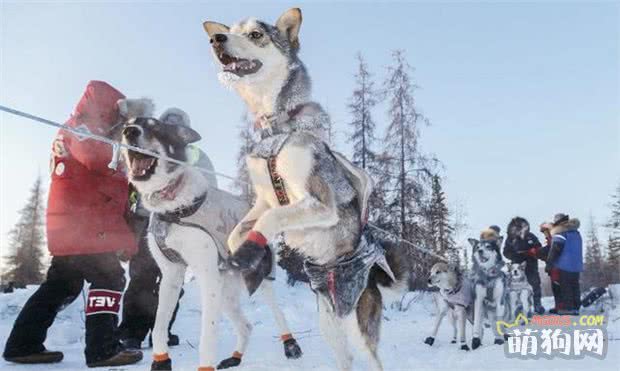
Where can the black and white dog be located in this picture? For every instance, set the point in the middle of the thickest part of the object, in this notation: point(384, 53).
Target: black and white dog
point(189, 225)
point(313, 195)
point(489, 287)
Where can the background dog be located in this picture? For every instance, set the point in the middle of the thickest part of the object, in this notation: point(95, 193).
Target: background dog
point(520, 294)
point(489, 287)
point(455, 297)
point(189, 226)
point(321, 198)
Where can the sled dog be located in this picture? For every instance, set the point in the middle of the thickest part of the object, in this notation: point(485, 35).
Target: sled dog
point(311, 194)
point(455, 297)
point(190, 221)
point(489, 287)
point(520, 295)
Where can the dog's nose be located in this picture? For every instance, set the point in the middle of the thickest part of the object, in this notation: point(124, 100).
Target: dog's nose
point(131, 132)
point(219, 38)
point(429, 281)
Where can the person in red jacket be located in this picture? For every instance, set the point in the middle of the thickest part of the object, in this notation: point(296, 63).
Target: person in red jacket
point(86, 233)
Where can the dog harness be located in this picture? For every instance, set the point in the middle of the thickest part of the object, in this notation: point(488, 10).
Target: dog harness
point(159, 224)
point(342, 281)
point(461, 295)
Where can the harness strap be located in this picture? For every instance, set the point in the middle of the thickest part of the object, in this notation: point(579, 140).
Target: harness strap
point(277, 182)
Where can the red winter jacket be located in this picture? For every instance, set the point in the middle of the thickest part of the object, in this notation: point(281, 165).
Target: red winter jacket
point(87, 200)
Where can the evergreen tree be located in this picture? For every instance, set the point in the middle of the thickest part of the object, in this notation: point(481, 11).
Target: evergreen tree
point(613, 244)
point(362, 101)
point(439, 230)
point(26, 242)
point(407, 172)
point(246, 137)
point(592, 276)
point(406, 167)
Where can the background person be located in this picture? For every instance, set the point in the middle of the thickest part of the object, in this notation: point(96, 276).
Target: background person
point(523, 246)
point(566, 256)
point(86, 231)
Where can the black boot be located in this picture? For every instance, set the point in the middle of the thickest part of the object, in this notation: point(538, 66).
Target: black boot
point(292, 350)
point(45, 356)
point(123, 357)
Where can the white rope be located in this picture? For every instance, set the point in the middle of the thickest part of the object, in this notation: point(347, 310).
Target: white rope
point(117, 145)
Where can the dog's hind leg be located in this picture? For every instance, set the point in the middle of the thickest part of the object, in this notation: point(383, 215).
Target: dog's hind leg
point(169, 290)
point(292, 350)
point(364, 326)
point(333, 332)
point(231, 291)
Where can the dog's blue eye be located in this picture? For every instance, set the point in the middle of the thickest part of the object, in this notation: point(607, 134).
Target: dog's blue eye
point(255, 35)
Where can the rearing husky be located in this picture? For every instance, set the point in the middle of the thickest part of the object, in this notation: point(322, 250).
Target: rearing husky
point(313, 195)
point(189, 224)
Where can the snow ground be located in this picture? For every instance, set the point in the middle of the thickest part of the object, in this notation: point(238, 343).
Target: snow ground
point(401, 349)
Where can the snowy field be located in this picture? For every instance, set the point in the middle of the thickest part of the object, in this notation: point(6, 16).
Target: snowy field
point(402, 346)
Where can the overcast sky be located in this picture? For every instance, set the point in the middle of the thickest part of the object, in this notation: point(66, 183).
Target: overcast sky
point(523, 98)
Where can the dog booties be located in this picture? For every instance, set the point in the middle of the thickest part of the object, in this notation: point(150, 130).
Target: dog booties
point(343, 281)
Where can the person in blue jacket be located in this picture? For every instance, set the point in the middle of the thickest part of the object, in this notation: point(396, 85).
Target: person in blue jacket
point(566, 257)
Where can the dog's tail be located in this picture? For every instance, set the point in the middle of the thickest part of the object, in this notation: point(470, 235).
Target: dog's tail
point(400, 264)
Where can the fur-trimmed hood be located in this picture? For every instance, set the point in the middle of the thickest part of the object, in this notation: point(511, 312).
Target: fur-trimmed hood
point(570, 225)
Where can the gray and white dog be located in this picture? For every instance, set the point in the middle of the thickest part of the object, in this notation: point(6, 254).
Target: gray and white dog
point(189, 225)
point(455, 297)
point(489, 287)
point(311, 194)
point(519, 292)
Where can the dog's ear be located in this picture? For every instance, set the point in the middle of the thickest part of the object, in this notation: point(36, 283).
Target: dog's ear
point(288, 24)
point(214, 28)
point(473, 242)
point(132, 108)
point(522, 265)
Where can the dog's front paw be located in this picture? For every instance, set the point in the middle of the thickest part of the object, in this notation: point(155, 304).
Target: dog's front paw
point(464, 347)
point(429, 340)
point(229, 362)
point(165, 365)
point(292, 350)
point(475, 343)
point(250, 253)
point(506, 336)
point(453, 341)
point(499, 341)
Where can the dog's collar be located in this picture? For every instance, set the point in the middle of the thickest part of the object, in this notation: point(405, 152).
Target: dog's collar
point(176, 215)
point(278, 123)
point(455, 290)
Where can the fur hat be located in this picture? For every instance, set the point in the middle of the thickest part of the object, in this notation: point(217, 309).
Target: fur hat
point(560, 218)
point(489, 234)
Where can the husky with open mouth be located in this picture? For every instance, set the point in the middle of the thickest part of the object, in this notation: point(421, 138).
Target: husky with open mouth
point(489, 287)
point(311, 194)
point(189, 224)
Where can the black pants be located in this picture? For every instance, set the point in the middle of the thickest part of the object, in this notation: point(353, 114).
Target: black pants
point(570, 293)
point(63, 284)
point(142, 295)
point(533, 278)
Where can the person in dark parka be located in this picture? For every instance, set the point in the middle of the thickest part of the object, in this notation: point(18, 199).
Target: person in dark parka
point(523, 246)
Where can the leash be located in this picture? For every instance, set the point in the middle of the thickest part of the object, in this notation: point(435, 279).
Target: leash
point(116, 155)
